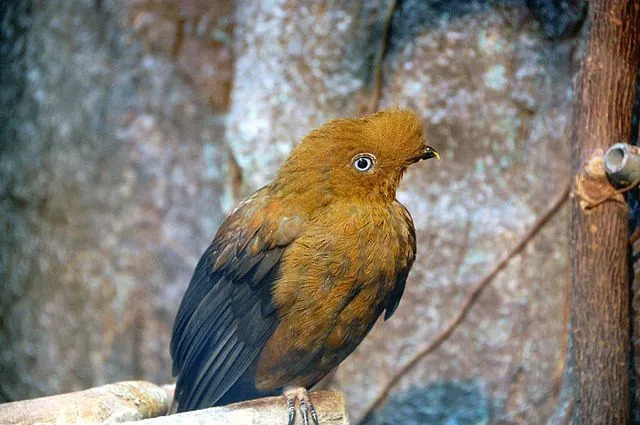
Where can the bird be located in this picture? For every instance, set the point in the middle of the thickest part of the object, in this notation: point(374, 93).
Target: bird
point(299, 272)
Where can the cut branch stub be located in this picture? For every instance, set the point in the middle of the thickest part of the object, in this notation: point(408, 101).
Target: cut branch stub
point(592, 185)
point(622, 164)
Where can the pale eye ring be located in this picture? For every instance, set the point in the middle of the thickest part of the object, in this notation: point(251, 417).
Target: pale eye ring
point(363, 162)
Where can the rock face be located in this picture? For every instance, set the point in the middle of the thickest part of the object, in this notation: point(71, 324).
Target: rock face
point(131, 128)
point(112, 185)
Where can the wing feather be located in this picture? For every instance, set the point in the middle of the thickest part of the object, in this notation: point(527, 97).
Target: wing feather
point(204, 318)
point(225, 372)
point(196, 290)
point(227, 313)
point(206, 385)
point(200, 355)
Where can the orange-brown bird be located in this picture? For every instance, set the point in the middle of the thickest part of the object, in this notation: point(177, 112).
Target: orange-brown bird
point(299, 272)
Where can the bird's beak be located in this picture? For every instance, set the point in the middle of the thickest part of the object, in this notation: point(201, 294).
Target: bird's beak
point(427, 153)
point(430, 152)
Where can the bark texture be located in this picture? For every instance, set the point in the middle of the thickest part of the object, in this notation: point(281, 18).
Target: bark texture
point(600, 293)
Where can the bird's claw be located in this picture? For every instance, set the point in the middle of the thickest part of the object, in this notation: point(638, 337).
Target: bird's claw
point(291, 407)
point(306, 406)
point(314, 415)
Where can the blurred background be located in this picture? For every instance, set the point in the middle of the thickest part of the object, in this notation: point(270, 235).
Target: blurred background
point(129, 129)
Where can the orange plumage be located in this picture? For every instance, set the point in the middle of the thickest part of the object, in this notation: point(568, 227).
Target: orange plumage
point(300, 271)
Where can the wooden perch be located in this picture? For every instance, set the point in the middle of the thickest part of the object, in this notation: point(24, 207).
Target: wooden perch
point(330, 406)
point(600, 338)
point(137, 400)
point(113, 403)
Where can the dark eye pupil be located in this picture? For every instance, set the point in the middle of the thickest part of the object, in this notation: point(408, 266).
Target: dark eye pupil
point(362, 163)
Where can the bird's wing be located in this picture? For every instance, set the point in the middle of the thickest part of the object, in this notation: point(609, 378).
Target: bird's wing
point(227, 314)
point(404, 228)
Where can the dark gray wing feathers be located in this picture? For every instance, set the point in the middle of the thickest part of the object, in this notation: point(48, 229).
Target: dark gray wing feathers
point(224, 320)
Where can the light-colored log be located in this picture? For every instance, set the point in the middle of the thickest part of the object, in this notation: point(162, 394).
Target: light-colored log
point(143, 403)
point(330, 406)
point(113, 403)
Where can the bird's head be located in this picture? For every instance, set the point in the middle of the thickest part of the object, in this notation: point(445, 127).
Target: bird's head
point(361, 158)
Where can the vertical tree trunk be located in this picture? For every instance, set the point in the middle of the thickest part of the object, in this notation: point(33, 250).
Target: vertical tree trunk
point(599, 298)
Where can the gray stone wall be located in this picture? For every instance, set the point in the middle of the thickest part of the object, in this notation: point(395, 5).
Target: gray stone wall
point(130, 128)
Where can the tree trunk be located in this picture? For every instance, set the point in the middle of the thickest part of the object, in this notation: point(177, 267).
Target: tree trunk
point(600, 296)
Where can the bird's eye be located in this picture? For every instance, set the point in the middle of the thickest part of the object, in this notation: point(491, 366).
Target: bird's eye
point(363, 162)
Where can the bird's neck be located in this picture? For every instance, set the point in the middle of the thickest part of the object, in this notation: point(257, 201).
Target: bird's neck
point(308, 190)
point(315, 190)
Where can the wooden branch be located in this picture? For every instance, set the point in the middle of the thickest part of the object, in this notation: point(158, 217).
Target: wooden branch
point(141, 401)
point(472, 296)
point(599, 289)
point(330, 406)
point(120, 402)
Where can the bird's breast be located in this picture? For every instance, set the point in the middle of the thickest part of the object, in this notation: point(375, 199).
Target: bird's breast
point(334, 279)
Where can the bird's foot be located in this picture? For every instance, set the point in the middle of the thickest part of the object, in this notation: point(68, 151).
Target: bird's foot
point(306, 407)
